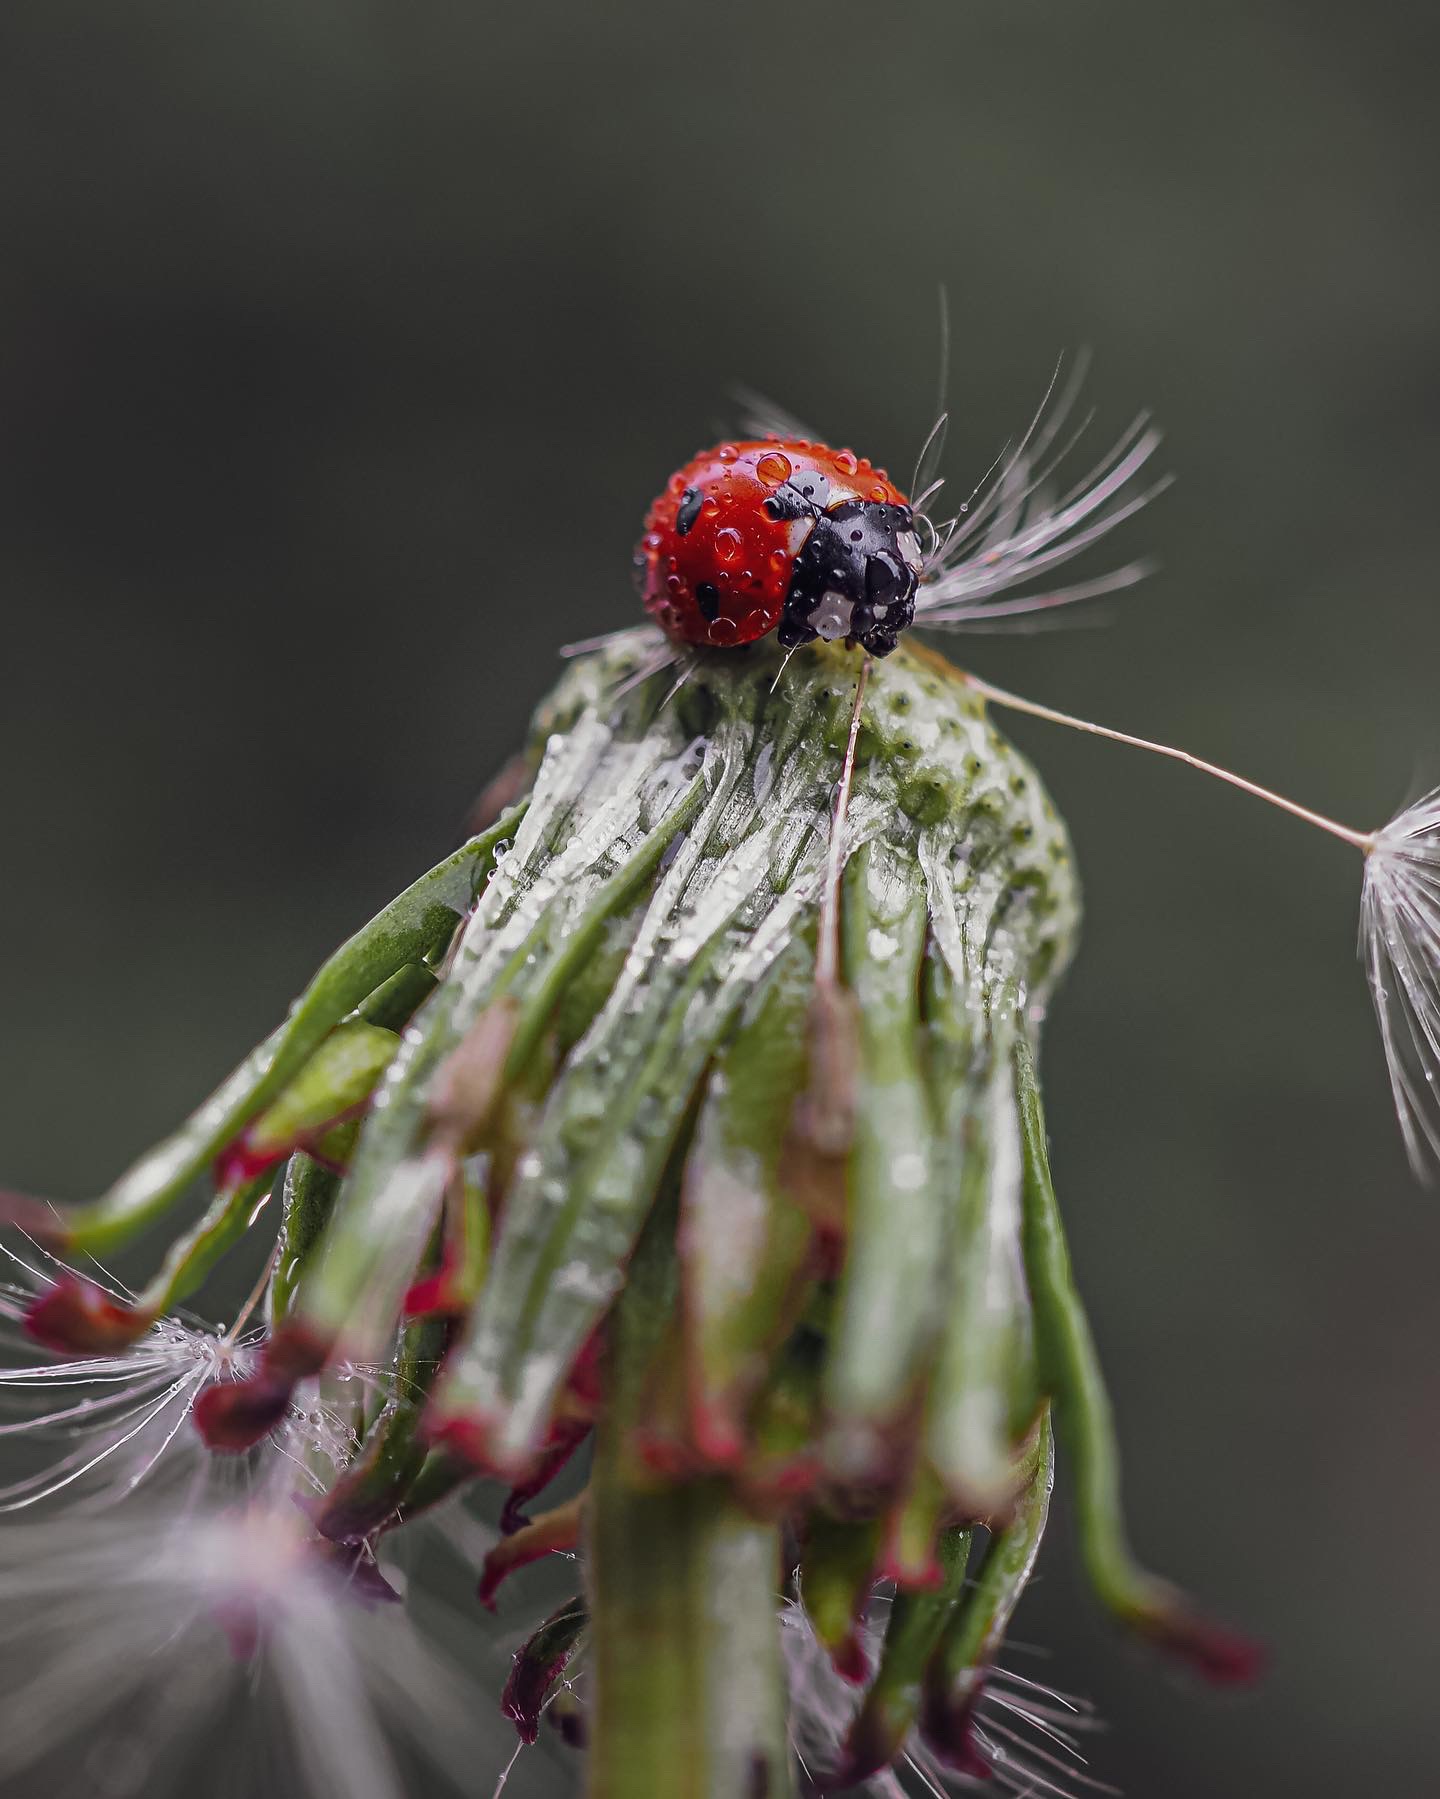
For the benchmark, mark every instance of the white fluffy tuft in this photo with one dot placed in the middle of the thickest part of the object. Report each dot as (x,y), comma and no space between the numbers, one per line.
(1026,1733)
(1400,946)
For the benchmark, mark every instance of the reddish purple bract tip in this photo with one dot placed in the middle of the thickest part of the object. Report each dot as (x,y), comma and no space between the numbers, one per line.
(75,1317)
(1224,1657)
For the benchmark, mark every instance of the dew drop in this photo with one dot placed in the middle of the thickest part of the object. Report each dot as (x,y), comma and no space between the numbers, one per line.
(773,468)
(846,461)
(728,544)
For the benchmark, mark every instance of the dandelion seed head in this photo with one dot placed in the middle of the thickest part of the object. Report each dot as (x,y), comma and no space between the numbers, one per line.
(1400,947)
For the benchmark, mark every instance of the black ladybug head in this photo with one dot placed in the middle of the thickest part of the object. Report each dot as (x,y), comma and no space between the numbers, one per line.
(855,577)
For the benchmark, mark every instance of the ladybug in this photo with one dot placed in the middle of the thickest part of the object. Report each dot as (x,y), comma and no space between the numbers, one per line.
(783,535)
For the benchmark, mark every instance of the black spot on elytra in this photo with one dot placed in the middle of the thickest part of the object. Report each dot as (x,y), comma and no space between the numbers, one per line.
(690,503)
(707,598)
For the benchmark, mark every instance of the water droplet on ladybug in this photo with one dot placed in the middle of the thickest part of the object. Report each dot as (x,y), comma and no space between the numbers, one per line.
(709,506)
(676,484)
(728,544)
(773,468)
(728,452)
(846,461)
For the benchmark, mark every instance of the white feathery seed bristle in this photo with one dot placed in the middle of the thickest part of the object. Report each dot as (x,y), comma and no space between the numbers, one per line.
(1400,947)
(1014,529)
(1045,1760)
(90,1430)
(129,1640)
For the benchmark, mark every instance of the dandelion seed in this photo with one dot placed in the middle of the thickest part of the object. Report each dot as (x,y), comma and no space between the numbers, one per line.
(123,1417)
(1399,922)
(120,1414)
(136,1633)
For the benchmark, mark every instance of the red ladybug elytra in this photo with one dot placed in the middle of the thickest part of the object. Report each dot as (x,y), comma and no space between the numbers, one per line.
(781,535)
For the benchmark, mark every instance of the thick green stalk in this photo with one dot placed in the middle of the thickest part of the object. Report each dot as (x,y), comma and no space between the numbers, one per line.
(688,1695)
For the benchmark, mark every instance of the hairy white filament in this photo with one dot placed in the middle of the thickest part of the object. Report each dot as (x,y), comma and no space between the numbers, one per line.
(1400,945)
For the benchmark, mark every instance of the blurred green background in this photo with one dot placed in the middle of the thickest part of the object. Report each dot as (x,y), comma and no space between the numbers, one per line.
(341,348)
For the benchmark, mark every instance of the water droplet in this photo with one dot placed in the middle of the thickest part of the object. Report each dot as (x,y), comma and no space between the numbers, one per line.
(846,461)
(773,468)
(727,453)
(728,544)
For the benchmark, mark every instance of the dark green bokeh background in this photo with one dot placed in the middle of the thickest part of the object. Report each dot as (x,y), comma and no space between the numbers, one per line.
(341,347)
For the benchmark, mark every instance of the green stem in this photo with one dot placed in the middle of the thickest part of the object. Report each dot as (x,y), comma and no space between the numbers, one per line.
(683,1592)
